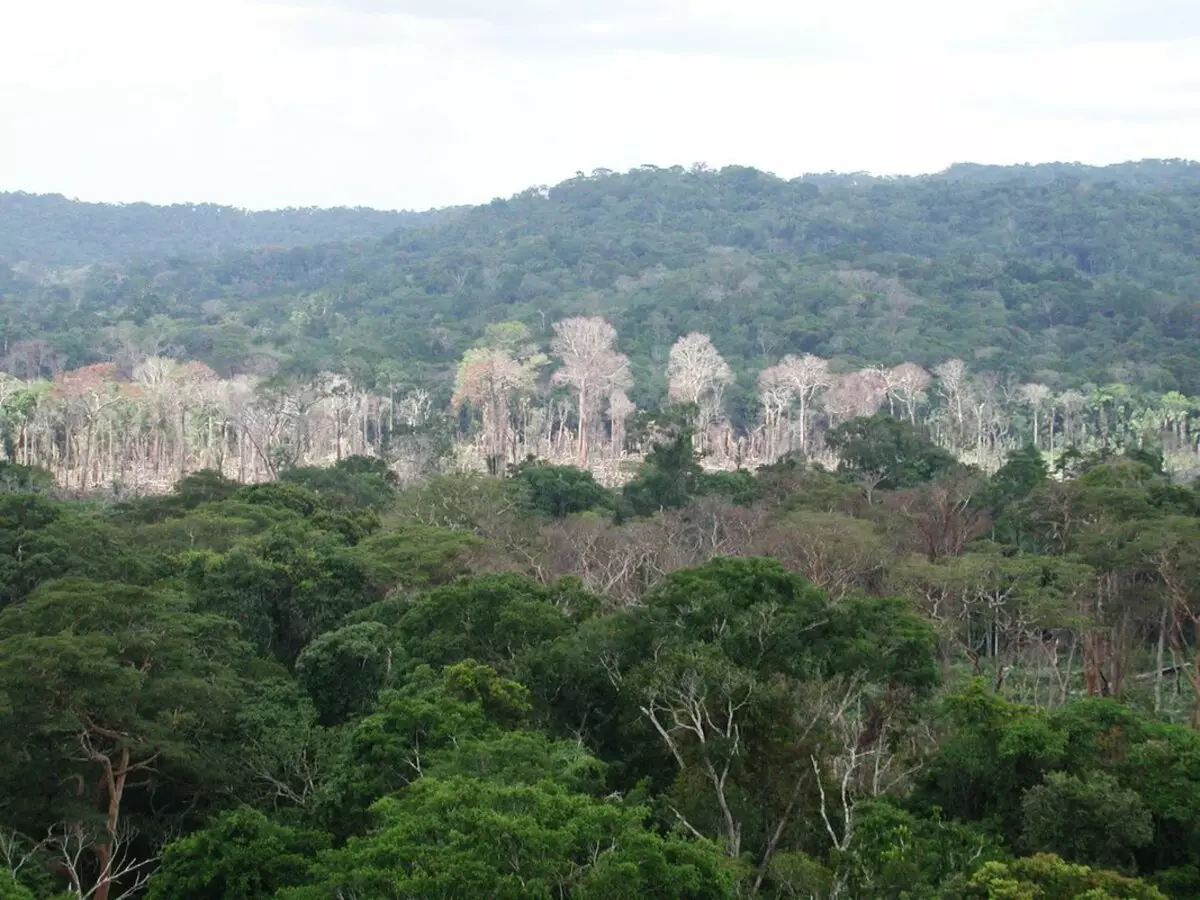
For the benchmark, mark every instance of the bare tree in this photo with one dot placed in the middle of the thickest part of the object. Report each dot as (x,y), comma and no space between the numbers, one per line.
(952,384)
(620,408)
(488,379)
(1071,403)
(122,874)
(806,375)
(776,393)
(697,374)
(907,382)
(591,366)
(1035,397)
(856,394)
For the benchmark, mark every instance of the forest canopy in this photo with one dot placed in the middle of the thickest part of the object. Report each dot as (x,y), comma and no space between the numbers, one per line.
(676,533)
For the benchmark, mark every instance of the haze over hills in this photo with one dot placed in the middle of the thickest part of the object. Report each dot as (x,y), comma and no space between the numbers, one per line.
(50,229)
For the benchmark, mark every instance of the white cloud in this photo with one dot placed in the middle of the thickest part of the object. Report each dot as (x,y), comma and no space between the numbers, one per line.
(412,103)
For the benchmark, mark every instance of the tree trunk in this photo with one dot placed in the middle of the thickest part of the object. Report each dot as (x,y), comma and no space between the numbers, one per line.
(1158,661)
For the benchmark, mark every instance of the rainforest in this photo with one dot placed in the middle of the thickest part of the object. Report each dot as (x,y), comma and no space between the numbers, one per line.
(679,532)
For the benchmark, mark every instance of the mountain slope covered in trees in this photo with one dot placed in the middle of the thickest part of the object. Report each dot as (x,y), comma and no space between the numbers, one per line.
(1078,273)
(1054,304)
(51,230)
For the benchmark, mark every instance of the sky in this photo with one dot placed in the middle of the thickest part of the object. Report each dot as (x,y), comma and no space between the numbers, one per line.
(411,104)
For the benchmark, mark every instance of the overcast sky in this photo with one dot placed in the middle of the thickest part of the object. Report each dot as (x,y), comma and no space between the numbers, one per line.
(419,103)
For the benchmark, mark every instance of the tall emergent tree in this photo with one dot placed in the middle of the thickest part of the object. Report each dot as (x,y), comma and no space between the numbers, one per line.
(592,366)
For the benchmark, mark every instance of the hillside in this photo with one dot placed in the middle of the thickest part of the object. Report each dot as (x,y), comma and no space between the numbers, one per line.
(268,630)
(1078,276)
(49,229)
(1077,287)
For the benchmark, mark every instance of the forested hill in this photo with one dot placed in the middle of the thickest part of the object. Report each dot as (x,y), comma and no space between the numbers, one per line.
(50,229)
(1069,275)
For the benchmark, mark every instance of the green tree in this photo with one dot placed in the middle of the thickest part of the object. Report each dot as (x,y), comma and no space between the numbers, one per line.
(889,452)
(285,587)
(240,855)
(465,837)
(490,618)
(668,478)
(560,491)
(344,670)
(1090,820)
(1047,877)
(392,747)
(112,692)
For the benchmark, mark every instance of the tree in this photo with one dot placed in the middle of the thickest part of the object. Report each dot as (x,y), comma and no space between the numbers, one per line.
(489,377)
(908,381)
(468,837)
(1047,877)
(1090,820)
(697,375)
(344,670)
(112,691)
(591,366)
(394,746)
(490,618)
(560,491)
(668,478)
(240,855)
(856,394)
(890,453)
(1036,395)
(1171,547)
(285,587)
(952,383)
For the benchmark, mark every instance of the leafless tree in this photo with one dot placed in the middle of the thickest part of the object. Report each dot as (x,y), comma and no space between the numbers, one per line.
(122,873)
(592,366)
(487,379)
(697,374)
(776,394)
(907,382)
(1036,396)
(620,408)
(952,384)
(856,394)
(806,375)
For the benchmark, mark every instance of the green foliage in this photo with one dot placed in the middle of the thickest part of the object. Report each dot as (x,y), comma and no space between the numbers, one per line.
(355,482)
(411,555)
(491,618)
(394,745)
(738,487)
(805,635)
(344,670)
(465,837)
(285,587)
(11,889)
(240,855)
(560,491)
(1088,819)
(16,479)
(190,492)
(1047,877)
(135,677)
(897,855)
(41,539)
(669,476)
(889,452)
(53,229)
